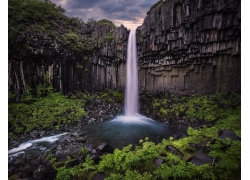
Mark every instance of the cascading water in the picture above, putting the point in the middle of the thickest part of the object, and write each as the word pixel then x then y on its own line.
pixel 120 131
pixel 131 93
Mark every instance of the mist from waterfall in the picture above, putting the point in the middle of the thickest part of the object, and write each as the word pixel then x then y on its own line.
pixel 131 93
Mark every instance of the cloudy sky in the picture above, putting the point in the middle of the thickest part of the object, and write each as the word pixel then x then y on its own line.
pixel 130 13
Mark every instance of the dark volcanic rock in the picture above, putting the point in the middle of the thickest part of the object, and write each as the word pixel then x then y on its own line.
pixel 73 163
pixel 105 148
pixel 173 150
pixel 187 47
pixel 45 171
pixel 158 162
pixel 98 176
pixel 223 134
pixel 201 158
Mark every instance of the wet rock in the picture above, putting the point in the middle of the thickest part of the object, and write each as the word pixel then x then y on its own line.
pixel 28 170
pixel 34 134
pixel 223 134
pixel 12 170
pixel 73 163
pixel 80 139
pixel 89 147
pixel 75 133
pixel 41 133
pixel 179 135
pixel 99 176
pixel 93 151
pixel 44 171
pixel 95 158
pixel 158 162
pixel 173 150
pixel 105 147
pixel 201 158
pixel 42 148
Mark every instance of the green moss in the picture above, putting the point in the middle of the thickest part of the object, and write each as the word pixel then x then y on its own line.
pixel 13 177
pixel 139 162
pixel 107 22
pixel 43 112
pixel 208 108
pixel 112 96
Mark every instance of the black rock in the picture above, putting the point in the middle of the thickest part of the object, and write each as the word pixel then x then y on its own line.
pixel 80 140
pixel 201 158
pixel 45 172
pixel 95 158
pixel 72 163
pixel 223 134
pixel 158 162
pixel 93 151
pixel 98 176
pixel 173 150
pixel 105 147
pixel 12 170
pixel 89 147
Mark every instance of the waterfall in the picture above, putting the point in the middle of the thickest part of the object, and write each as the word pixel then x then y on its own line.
pixel 131 93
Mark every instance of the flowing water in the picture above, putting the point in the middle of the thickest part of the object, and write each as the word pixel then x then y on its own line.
pixel 120 131
pixel 33 146
pixel 131 93
pixel 131 127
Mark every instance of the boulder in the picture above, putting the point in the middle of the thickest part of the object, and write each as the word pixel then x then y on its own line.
pixel 223 134
pixel 45 171
pixel 105 148
pixel 173 150
pixel 201 158
pixel 158 162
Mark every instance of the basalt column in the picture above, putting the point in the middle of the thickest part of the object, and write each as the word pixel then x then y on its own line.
pixel 188 47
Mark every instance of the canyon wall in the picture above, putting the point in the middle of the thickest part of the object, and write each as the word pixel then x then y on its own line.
pixel 108 61
pixel 190 46
pixel 183 47
pixel 101 67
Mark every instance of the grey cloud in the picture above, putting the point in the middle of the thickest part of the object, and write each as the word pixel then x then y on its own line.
pixel 114 10
pixel 109 8
pixel 76 4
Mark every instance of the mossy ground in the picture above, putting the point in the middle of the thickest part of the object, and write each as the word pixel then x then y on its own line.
pixel 52 110
pixel 139 162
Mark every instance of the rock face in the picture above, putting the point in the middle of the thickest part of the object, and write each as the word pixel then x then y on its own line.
pixel 101 67
pixel 108 61
pixel 184 47
pixel 187 47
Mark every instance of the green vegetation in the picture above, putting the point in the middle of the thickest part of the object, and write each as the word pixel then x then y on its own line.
pixel 109 37
pixel 111 96
pixel 159 3
pixel 44 108
pixel 208 108
pixel 167 9
pixel 139 162
pixel 34 21
pixel 107 22
pixel 34 113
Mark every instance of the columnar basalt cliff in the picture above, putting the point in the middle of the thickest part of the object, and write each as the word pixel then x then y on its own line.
pixel 48 61
pixel 183 46
pixel 187 47
pixel 108 61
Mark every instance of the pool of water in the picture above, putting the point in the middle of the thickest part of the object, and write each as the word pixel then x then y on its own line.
pixel 125 130
pixel 118 132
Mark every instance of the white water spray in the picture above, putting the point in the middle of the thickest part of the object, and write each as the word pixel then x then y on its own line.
pixel 131 94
